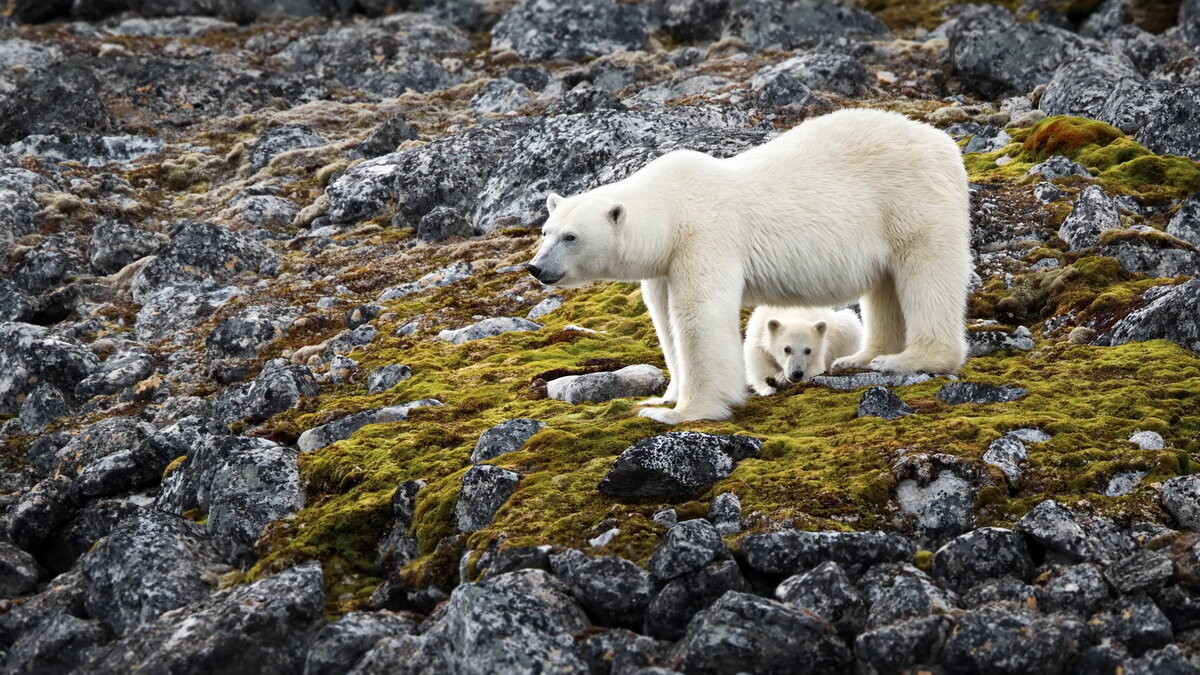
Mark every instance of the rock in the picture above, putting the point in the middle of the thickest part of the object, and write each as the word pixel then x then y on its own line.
pixel 387 137
pixel 1057 166
pixel 60 550
pixel 900 646
pixel 584 98
pixel 569 29
pixel 1142 570
pixel 39 511
pixel 1165 312
pixel 278 140
pixel 397 548
pixel 58 646
pixel 169 558
pixel 260 627
pixel 614 591
pixel 684 596
pixel 199 252
pixel 256 483
pixel 321 436
pixel 881 402
pixel 1082 86
pixel 349 340
pixel 500 96
pixel 694 20
pixel 942 507
pixel 988 139
pixel 1076 588
pixel 265 211
pixel 745 633
pixel 1007 453
pixel 1074 536
pixel 957 393
pixel 838 73
pixel 14 304
pixel 1185 224
pixel 443 222
pixel 387 377
pixel 638 380
pixel 1168 660
pixel 544 307
pixel 1181 498
pixel 676 463
pixel 170 310
pixel 620 650
pixel 443 277
pixel 31 355
pixel 361 315
pixel 61 595
pixel 1094 213
pixel 1154 256
pixel 18 571
pixel 984 342
pixel 869 379
pixel 998 640
pixel 341 643
pixel 688 546
pixel 901 592
pixel 504 438
pixel 985 553
pixel 1165 130
pixel 1135 621
pixel 341 370
pixel 19 188
pixel 488 328
pixel 1147 440
pixel 794 551
pixel 123 369
pixel 63 99
pixel 279 387
pixel 726 514
pixel 114 245
pixel 1123 482
pixel 827 592
pixel 42 406
pixel 767 24
pixel 245 334
pixel 485 488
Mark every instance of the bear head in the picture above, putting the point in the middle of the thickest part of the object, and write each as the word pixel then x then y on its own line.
pixel 581 240
pixel 798 348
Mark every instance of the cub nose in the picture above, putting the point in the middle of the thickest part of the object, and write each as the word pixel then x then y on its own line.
pixel 535 271
pixel 797 375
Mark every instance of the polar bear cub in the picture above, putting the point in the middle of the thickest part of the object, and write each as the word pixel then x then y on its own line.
pixel 794 344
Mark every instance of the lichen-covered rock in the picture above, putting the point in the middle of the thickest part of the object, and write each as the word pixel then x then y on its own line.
pixel 63 594
pixel 1075 536
pixel 98 441
pixel 838 73
pixel 387 137
pixel 1007 453
pixel 150 563
pixel 488 328
pixel 261 627
pixel 500 95
pixel 125 368
pixel 279 387
pixel 18 571
pixel 199 252
pixel 444 277
pixel 1168 128
pixel 638 380
pixel 1134 621
pixel 344 427
pixel 1142 570
pixel 725 514
pixel 485 488
pixel 957 393
pixel 898 592
pixel 688 546
pixel 387 377
pixel 68 101
pixel 984 342
pixel 1164 312
pixel 882 402
pixel 869 379
pixel 443 222
pixel 569 29
pixel 1181 498
pixel 256 483
pixel 278 140
pixel 19 188
pixel 766 24
pixel 115 245
pixel 172 309
pixel 1185 224
pixel 1158 257
pixel 1076 588
pixel 1082 86
pixel 1058 166
pixel 39 511
pixel 245 334
pixel 504 438
pixel 1093 213
pixel 58 646
pixel 1000 640
pixel 676 463
pixel 31 355
pixel 900 646
pixel 794 551
pixel 827 592
pixel 40 407
pixel 683 597
pixel 985 553
pixel 745 633
pixel 341 643
pixel 614 591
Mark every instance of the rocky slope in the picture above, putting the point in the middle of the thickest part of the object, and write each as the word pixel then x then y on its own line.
pixel 277 395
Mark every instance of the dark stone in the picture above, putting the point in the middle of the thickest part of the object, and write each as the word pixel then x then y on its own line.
pixel 1142 570
pixel 694 20
pixel 614 591
pixel 279 387
pixel 999 640
pixel 1165 312
pixel 901 646
pixel 569 29
pixel 344 427
pixel 1076 588
pixel 1093 214
pixel 443 222
pixel 1181 498
pixel 386 137
pixel 59 551
pixel 387 377
pixel 63 594
pixel 504 438
pixel 39 511
pixel 125 368
pixel 1074 536
pixel 343 642
pixel 725 514
pixel 584 99
pixel 794 551
pixel 882 402
pixel 41 407
pixel 245 334
pixel 956 393
pixel 1134 621
pixel 63 99
pixel 114 245
pixel 18 571
pixel 688 546
pixel 278 140
pixel 765 24
pixel 59 644
pixel 485 488
pixel 616 650
pixel 361 315
pixel 676 463
pixel 827 592
pixel 982 554
pixel 684 596
pixel 31 355
pixel 199 251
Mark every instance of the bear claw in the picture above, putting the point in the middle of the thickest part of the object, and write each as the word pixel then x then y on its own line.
pixel 661 415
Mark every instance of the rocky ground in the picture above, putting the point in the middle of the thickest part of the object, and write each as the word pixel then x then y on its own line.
pixel 277 395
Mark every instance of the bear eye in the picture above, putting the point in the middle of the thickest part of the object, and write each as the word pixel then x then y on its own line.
pixel 568 237
pixel 787 350
pixel 808 350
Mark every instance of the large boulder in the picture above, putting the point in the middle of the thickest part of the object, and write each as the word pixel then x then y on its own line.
pixel 570 29
pixel 675 463
pixel 1164 312
pixel 201 252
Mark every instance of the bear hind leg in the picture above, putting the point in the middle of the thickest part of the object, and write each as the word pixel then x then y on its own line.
pixel 883 326
pixel 933 302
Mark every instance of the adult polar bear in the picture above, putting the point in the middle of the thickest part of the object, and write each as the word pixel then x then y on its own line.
pixel 857 203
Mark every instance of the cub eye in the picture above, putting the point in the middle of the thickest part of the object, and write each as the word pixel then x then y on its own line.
pixel 568 237
pixel 808 350
pixel 787 350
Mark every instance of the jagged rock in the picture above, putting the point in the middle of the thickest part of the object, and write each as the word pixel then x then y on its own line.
pixel 485 488
pixel 1170 660
pixel 1082 86
pixel 387 137
pixel 881 402
pixel 676 463
pixel 1135 621
pixel 125 368
pixel 569 29
pixel 40 407
pixel 614 591
pixel 18 188
pixel 684 596
pixel 1075 536
pixel 504 438
pixel 1007 453
pixel 745 633
pixel 794 551
pixel 98 441
pixel 791 82
pixel 31 355
pixel 1181 498
pixel 901 592
pixel 344 427
pixel 63 594
pixel 957 393
pixel 982 554
pixel 341 643
pixel 361 315
pixel 279 387
pixel 18 571
pixel 387 377
pixel 39 511
pixel 60 550
pixel 14 304
pixel 200 252
pixel 900 646
pixel 688 546
pixel 261 627
pixel 726 514
pixel 766 24
pixel 1164 312
pixel 278 140
pixel 1123 482
pixel 1155 257
pixel 256 483
pixel 827 592
pixel 1093 213
pixel 170 310
pixel 1166 129
pixel 488 328
pixel 1075 588
pixel 869 379
pixel 115 245
pixel 1058 166
pixel 150 563
pixel 1185 224
pixel 1142 570
pixel 984 342
pixel 584 98
pixel 638 380
pixel 266 211
pixel 245 334
pixel 58 646
pixel 999 640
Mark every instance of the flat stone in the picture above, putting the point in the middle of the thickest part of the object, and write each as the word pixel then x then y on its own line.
pixel 637 380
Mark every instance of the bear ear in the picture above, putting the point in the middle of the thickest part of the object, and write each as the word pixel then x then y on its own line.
pixel 552 201
pixel 772 325
pixel 616 214
pixel 820 327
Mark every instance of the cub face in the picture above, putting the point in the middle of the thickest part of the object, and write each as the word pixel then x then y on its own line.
pixel 798 349
pixel 580 241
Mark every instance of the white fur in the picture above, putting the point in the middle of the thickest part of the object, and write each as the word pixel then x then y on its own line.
pixel 794 344
pixel 855 203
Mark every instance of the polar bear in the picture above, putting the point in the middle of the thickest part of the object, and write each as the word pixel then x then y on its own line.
pixel 854 204
pixel 793 344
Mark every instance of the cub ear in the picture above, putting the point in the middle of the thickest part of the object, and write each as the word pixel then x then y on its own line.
pixel 552 201
pixel 820 327
pixel 616 214
pixel 772 325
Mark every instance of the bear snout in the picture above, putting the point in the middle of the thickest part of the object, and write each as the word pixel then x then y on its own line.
pixel 534 270
pixel 796 375
pixel 542 275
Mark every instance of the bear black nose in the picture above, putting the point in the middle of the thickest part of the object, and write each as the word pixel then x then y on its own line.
pixel 535 271
pixel 797 375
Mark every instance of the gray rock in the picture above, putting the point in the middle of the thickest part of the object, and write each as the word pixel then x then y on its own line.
pixel 984 342
pixel 1029 435
pixel 1166 131
pixel 614 591
pixel 1181 498
pixel 245 334
pixel 266 211
pixel 200 252
pixel 504 438
pixel 279 387
pixel 676 463
pixel 124 368
pixel 900 646
pixel 256 483
pixel 957 393
pixel 1142 570
pixel 115 245
pixel 745 633
pixel 321 436
pixel 838 73
pixel 443 222
pixel 725 513
pixel 261 627
pixel 170 310
pixel 18 188
pixel 985 553
pixel 1185 224
pixel 684 596
pixel 1165 312
pixel 688 546
pixel 500 95
pixel 18 571
pixel 444 277
pixel 569 29
pixel 1058 166
pixel 638 380
pixel 1147 440
pixel 1076 588
pixel 1123 482
pixel 343 642
pixel 488 328
pixel 827 592
pixel 620 650
pixel 1007 453
pixel 938 492
pixel 58 646
pixel 881 402
pixel 70 92
pixel 1074 536
pixel 15 305
pixel 278 140
pixel 794 551
pixel 1135 621
pixel 1093 213
pixel 988 139
pixel 150 563
pixel 1082 86
pixel 999 640
pixel 767 24
pixel 100 440
pixel 1156 257
pixel 551 303
pixel 387 377
pixel 31 354
pixel 869 379
pixel 387 137
pixel 39 511
pixel 78 534
pixel 397 548
pixel 485 488
pixel 42 406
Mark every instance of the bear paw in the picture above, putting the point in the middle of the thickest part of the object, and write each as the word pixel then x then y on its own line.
pixel 661 415
pixel 849 362
pixel 894 363
pixel 764 390
pixel 656 400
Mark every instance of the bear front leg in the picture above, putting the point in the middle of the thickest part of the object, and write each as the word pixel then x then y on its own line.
pixel 654 294
pixel 704 311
